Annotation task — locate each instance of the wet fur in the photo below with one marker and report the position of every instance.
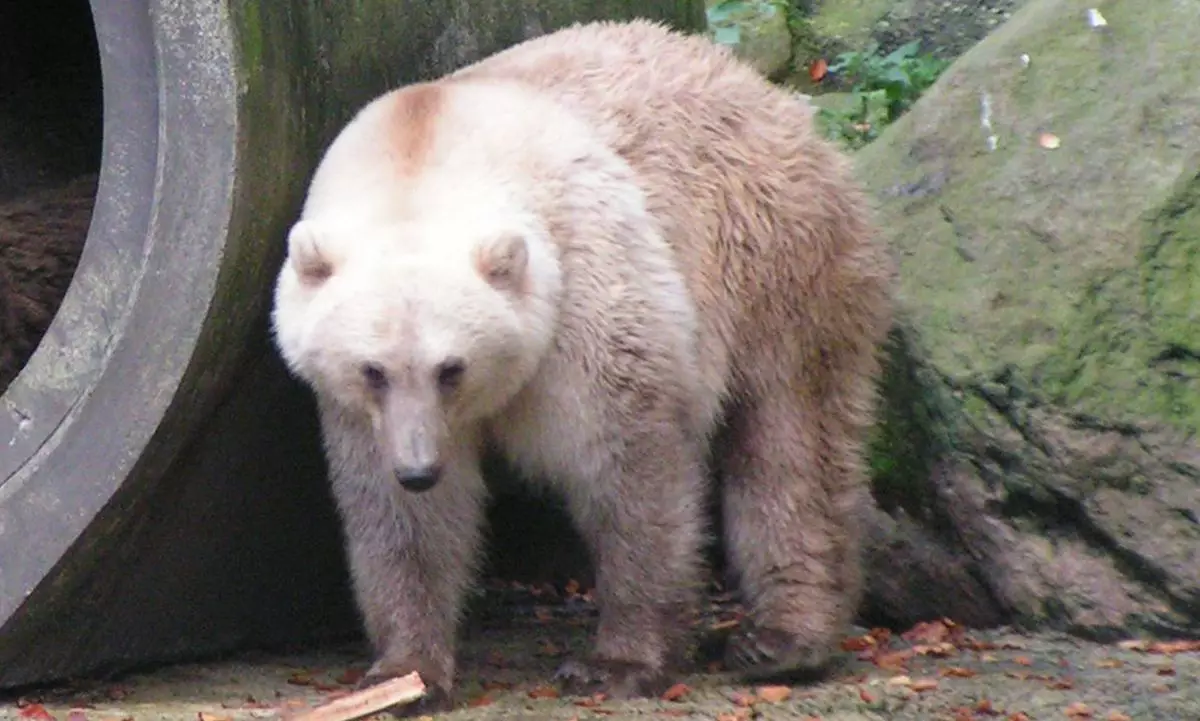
(717, 291)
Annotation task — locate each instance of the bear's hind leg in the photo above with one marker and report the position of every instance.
(643, 520)
(792, 490)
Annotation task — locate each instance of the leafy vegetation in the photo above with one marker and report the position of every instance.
(882, 87)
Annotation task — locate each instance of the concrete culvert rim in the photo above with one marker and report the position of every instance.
(83, 423)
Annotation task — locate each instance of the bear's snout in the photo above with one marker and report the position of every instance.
(418, 479)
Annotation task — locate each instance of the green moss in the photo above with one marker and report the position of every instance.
(1075, 267)
(849, 20)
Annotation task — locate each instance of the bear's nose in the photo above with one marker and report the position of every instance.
(418, 479)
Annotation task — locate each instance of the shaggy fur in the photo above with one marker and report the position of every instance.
(605, 252)
(41, 237)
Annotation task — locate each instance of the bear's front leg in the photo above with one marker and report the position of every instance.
(412, 557)
(642, 517)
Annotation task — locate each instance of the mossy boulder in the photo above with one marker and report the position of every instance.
(1037, 453)
(756, 30)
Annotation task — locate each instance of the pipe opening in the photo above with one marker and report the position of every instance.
(51, 134)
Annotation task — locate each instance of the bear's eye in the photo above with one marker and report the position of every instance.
(374, 376)
(450, 373)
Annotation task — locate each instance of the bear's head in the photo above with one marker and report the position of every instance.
(417, 329)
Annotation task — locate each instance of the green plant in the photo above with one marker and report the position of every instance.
(882, 87)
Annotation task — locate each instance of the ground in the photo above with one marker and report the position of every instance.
(516, 638)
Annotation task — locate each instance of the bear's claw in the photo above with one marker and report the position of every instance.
(614, 679)
(763, 653)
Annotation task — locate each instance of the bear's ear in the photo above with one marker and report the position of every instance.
(502, 261)
(304, 253)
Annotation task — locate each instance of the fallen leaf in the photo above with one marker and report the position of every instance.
(962, 713)
(735, 716)
(959, 672)
(924, 684)
(899, 681)
(1023, 661)
(591, 701)
(301, 678)
(542, 692)
(1173, 647)
(744, 700)
(985, 708)
(893, 659)
(1165, 671)
(818, 70)
(206, 716)
(1110, 663)
(773, 694)
(1018, 716)
(1133, 644)
(938, 650)
(35, 711)
(1078, 709)
(483, 700)
(866, 696)
(1049, 141)
(1117, 716)
(857, 643)
(1160, 688)
(675, 693)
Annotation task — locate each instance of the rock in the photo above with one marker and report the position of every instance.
(757, 30)
(1036, 459)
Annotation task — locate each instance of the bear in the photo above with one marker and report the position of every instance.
(621, 259)
(42, 234)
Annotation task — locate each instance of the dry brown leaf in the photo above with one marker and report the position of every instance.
(1078, 710)
(893, 659)
(773, 694)
(924, 684)
(1061, 684)
(351, 676)
(1133, 644)
(858, 643)
(959, 672)
(1165, 671)
(543, 692)
(1023, 661)
(301, 678)
(206, 716)
(1117, 716)
(1110, 663)
(1018, 716)
(899, 681)
(483, 700)
(1173, 647)
(734, 716)
(35, 712)
(985, 708)
(676, 692)
(591, 701)
(866, 696)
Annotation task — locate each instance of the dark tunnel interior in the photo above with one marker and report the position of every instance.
(51, 131)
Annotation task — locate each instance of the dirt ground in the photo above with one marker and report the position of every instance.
(510, 650)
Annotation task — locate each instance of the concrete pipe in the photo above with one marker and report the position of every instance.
(163, 492)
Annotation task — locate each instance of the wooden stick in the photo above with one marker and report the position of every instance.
(401, 690)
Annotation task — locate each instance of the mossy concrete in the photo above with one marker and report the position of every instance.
(1041, 402)
(1071, 269)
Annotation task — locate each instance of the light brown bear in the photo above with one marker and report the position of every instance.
(603, 253)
